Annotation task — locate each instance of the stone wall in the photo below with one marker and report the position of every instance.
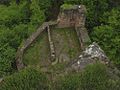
(83, 36)
(28, 42)
(72, 17)
(51, 44)
(75, 17)
(67, 18)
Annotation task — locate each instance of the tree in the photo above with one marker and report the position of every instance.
(37, 16)
(95, 10)
(108, 35)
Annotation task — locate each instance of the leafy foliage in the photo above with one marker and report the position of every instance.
(95, 10)
(12, 15)
(108, 36)
(17, 22)
(37, 16)
(28, 79)
(94, 77)
(6, 60)
(5, 2)
(66, 6)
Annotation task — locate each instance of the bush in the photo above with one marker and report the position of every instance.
(5, 2)
(67, 6)
(17, 22)
(69, 82)
(37, 16)
(95, 10)
(108, 36)
(7, 55)
(12, 15)
(28, 79)
(94, 77)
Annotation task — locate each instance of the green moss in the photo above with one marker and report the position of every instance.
(67, 6)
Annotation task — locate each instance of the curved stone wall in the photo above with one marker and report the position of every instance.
(29, 41)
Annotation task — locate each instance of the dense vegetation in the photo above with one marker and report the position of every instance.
(19, 18)
(94, 77)
(17, 22)
(28, 79)
(108, 35)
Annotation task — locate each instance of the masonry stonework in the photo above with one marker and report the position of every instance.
(72, 17)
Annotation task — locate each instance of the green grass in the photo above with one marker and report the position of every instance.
(66, 42)
(66, 46)
(38, 53)
(67, 6)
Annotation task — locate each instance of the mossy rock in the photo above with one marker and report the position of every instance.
(68, 6)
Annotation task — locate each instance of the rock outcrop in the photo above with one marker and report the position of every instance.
(91, 55)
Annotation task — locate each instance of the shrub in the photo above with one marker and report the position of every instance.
(108, 36)
(12, 15)
(28, 79)
(37, 16)
(6, 59)
(16, 24)
(94, 77)
(95, 10)
(67, 6)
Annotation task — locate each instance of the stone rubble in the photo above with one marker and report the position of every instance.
(90, 55)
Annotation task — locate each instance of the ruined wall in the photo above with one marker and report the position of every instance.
(51, 44)
(72, 17)
(28, 42)
(75, 17)
(83, 37)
